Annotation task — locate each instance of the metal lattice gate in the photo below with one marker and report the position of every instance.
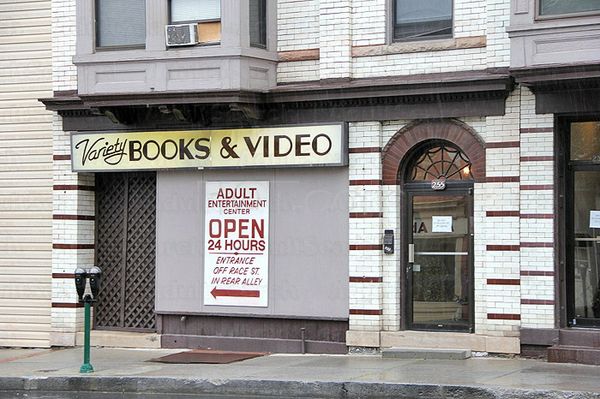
(126, 250)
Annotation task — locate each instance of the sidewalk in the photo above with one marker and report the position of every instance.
(126, 373)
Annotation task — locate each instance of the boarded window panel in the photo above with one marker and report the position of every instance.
(120, 23)
(126, 250)
(195, 10)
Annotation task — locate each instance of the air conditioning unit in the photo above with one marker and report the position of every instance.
(181, 35)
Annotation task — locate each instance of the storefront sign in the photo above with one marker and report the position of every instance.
(236, 244)
(278, 146)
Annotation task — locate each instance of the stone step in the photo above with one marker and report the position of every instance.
(426, 353)
(574, 354)
(579, 337)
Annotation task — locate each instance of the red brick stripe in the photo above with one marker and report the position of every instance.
(79, 187)
(61, 157)
(366, 247)
(536, 273)
(66, 305)
(366, 279)
(367, 312)
(537, 187)
(363, 150)
(502, 247)
(502, 213)
(503, 144)
(73, 246)
(73, 217)
(503, 179)
(359, 215)
(537, 216)
(503, 316)
(63, 275)
(537, 158)
(365, 182)
(537, 245)
(537, 130)
(503, 281)
(536, 302)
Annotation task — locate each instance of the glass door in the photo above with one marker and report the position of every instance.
(585, 253)
(583, 224)
(439, 268)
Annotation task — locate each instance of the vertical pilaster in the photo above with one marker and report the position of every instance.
(365, 220)
(537, 215)
(73, 194)
(497, 229)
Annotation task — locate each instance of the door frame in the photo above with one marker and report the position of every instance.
(409, 190)
(564, 222)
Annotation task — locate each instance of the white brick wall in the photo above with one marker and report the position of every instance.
(368, 22)
(335, 38)
(64, 72)
(297, 24)
(67, 321)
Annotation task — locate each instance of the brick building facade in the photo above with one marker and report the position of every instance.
(463, 90)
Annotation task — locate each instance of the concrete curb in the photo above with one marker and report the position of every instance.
(132, 387)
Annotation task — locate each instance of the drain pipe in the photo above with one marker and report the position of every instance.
(303, 338)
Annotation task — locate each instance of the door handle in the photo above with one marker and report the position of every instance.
(411, 253)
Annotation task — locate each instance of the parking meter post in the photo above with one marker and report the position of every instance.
(86, 367)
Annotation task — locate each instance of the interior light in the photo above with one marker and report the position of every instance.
(466, 170)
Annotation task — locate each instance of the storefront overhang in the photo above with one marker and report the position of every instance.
(567, 89)
(459, 94)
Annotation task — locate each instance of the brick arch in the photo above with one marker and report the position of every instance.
(415, 133)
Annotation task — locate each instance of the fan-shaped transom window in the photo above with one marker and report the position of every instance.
(439, 160)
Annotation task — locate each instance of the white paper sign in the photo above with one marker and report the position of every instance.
(594, 219)
(236, 244)
(441, 224)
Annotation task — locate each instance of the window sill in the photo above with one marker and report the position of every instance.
(172, 53)
(562, 24)
(420, 46)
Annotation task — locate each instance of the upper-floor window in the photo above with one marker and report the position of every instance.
(258, 23)
(560, 7)
(206, 13)
(422, 19)
(120, 23)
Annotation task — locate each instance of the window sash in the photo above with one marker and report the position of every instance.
(422, 19)
(120, 23)
(258, 23)
(561, 7)
(195, 10)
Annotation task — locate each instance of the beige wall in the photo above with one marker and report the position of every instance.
(25, 174)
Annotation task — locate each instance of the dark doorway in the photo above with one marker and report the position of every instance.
(438, 265)
(126, 250)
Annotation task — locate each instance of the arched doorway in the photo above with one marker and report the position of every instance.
(437, 202)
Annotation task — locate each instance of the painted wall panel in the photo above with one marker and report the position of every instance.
(308, 253)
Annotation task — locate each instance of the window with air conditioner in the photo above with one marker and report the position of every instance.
(422, 19)
(120, 23)
(205, 14)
